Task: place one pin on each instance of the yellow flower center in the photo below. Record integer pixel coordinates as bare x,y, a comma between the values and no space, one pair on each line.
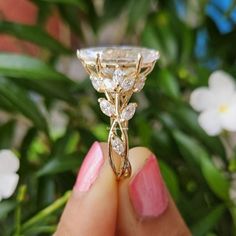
223,108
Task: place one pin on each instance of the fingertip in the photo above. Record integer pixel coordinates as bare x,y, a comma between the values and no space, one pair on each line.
92,208
144,201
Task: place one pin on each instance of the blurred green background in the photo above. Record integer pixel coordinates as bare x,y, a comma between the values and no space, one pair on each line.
49,113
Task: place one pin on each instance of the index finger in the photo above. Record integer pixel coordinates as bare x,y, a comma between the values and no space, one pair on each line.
92,208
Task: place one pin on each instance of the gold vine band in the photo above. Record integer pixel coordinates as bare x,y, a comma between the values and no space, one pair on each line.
118,72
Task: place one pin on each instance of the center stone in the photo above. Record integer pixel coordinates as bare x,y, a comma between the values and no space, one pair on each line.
118,69
118,55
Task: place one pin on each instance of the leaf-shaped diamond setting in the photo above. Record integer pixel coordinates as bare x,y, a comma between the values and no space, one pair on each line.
109,84
117,145
106,107
128,112
127,84
118,76
97,83
139,84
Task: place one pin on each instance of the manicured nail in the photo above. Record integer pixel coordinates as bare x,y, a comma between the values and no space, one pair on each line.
147,190
90,168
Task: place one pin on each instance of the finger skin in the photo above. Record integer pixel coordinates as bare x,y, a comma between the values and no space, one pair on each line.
129,223
93,212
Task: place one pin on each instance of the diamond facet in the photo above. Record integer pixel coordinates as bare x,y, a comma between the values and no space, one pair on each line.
107,71
96,82
128,112
117,145
109,84
106,107
118,76
139,84
128,84
118,55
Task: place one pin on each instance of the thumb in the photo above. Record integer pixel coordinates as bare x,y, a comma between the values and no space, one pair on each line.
92,208
145,206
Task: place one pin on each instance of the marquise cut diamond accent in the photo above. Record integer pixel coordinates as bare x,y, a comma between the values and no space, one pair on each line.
118,76
109,84
128,112
107,71
139,84
117,145
96,82
128,84
106,107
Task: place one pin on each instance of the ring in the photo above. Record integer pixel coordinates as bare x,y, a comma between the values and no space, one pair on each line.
118,72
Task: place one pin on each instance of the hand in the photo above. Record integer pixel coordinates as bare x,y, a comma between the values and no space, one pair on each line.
136,206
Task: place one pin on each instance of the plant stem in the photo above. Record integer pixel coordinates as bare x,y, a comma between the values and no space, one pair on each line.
42,229
46,211
225,139
20,199
233,214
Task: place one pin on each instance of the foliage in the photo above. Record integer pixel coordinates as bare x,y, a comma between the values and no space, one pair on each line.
191,45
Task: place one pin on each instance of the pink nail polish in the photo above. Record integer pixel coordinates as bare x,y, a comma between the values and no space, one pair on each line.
90,168
147,191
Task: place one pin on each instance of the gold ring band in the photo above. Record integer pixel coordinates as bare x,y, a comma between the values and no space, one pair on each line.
118,72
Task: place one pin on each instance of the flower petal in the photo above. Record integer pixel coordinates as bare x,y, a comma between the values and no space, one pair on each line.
9,163
201,99
228,119
8,183
222,83
210,122
232,100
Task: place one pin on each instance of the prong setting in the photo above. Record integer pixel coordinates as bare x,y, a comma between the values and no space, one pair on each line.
118,72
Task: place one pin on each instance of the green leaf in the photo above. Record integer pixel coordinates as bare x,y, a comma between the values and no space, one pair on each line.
39,230
64,156
192,151
202,227
112,8
189,148
5,104
78,3
20,66
62,90
33,34
171,179
22,102
162,143
143,129
59,165
47,191
6,207
100,131
187,120
44,12
43,214
159,35
7,134
70,16
137,10
215,179
168,83
166,35
67,143
150,39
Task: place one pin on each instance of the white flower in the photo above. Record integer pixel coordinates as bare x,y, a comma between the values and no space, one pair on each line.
9,164
217,104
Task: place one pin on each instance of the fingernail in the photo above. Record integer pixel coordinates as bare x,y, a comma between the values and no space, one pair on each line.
90,168
147,190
